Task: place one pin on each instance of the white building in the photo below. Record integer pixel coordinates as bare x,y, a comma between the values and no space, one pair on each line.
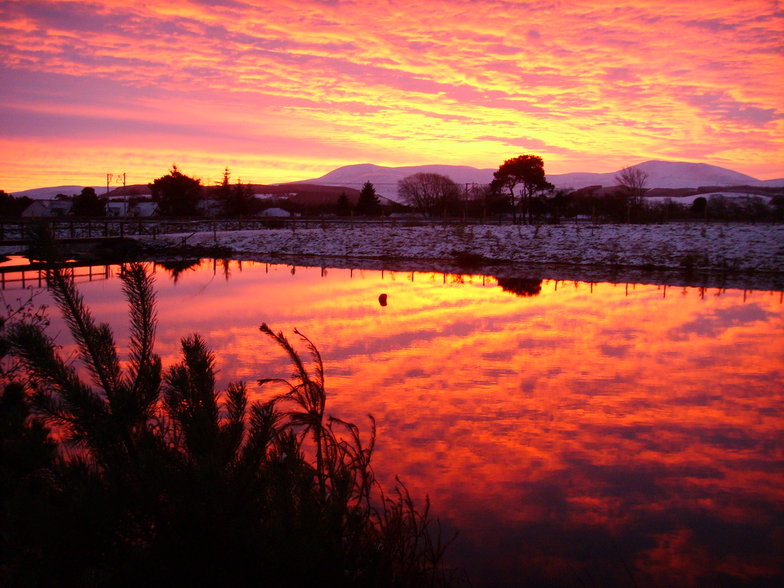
275,212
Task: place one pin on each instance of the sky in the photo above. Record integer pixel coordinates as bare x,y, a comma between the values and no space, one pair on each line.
289,90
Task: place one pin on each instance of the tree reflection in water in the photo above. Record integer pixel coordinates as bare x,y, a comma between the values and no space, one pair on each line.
521,286
176,267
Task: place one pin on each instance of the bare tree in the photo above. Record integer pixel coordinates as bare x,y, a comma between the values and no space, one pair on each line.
429,193
633,182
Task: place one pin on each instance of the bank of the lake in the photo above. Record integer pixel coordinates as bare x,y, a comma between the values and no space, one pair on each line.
717,249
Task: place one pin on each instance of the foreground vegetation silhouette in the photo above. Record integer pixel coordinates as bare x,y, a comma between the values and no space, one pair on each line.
151,477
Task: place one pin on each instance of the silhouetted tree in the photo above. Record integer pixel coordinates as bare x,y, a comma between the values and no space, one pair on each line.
237,200
431,194
7,204
343,206
633,183
368,203
224,188
176,194
699,207
634,180
241,201
559,203
11,206
526,171
87,203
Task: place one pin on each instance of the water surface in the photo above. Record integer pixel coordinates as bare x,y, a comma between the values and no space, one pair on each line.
574,433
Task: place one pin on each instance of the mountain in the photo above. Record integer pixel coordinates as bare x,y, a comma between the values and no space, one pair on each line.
385,179
661,174
380,175
51,192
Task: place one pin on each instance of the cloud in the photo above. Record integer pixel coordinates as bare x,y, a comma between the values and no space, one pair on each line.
528,144
584,78
717,105
714,324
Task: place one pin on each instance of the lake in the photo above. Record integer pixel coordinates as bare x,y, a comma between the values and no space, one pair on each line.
573,433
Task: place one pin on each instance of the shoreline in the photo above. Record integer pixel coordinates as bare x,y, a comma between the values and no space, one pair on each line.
740,255
540,271
694,254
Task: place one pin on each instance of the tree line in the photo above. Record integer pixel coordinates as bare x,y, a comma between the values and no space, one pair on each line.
519,191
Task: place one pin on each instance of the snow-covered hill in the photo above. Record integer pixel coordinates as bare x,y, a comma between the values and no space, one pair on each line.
51,192
385,179
661,174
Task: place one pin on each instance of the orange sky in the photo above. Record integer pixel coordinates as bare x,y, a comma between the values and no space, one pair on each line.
286,90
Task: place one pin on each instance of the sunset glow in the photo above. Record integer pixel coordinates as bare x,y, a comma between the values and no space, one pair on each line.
288,90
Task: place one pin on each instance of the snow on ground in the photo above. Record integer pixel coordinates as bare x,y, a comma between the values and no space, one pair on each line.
725,247
689,200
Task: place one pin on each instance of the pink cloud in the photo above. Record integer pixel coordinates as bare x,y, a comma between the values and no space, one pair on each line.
577,74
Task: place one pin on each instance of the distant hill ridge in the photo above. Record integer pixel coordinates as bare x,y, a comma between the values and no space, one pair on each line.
661,174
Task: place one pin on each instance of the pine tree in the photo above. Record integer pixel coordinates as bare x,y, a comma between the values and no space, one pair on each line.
176,193
343,206
368,204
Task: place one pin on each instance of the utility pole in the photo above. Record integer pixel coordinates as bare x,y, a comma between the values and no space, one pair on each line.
115,177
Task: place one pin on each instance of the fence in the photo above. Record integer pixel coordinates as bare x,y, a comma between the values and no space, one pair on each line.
24,230
22,276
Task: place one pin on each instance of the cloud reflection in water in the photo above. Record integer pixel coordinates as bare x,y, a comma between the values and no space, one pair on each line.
581,434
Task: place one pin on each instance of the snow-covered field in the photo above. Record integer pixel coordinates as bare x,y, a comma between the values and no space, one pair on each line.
722,247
